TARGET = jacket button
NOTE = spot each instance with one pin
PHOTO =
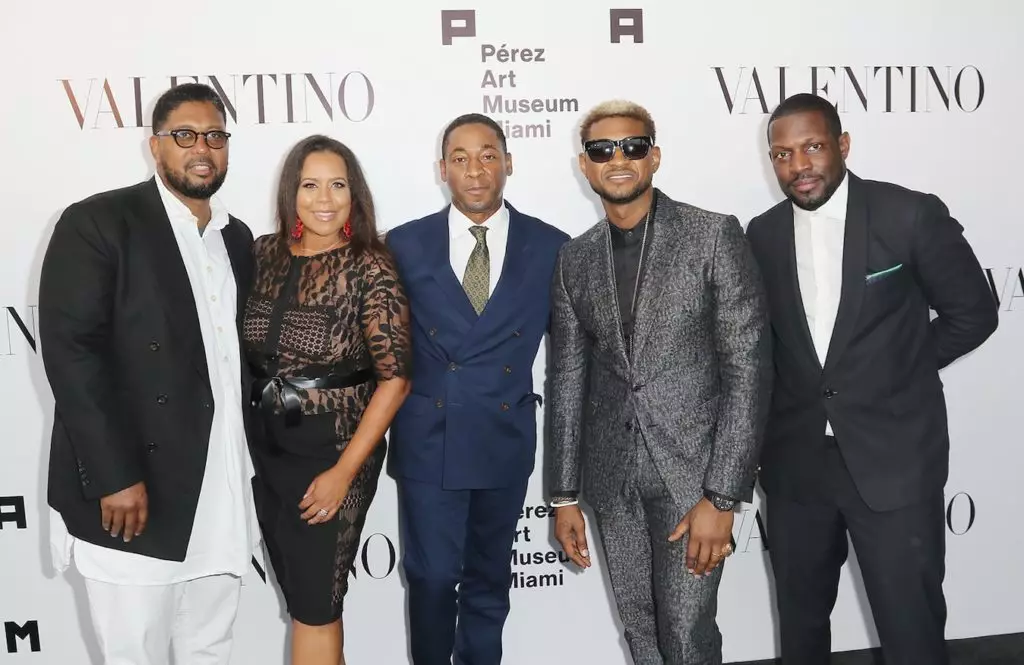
(433, 331)
(517, 333)
(154, 346)
(829, 393)
(508, 370)
(439, 403)
(161, 400)
(629, 426)
(452, 367)
(150, 447)
(504, 406)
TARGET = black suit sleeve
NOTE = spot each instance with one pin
(76, 292)
(953, 282)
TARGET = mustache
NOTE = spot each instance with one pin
(804, 178)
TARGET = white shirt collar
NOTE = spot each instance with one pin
(459, 224)
(179, 213)
(834, 208)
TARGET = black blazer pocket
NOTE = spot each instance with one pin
(878, 276)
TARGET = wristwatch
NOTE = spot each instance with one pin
(720, 502)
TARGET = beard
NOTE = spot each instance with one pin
(812, 204)
(620, 199)
(201, 191)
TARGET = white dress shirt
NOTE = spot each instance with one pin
(818, 237)
(461, 242)
(225, 535)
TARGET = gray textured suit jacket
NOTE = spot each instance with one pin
(698, 384)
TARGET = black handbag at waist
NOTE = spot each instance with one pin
(266, 389)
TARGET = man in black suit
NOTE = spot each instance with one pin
(857, 440)
(141, 296)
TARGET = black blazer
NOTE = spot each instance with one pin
(124, 356)
(880, 388)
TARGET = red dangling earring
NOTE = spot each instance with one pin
(347, 229)
(297, 230)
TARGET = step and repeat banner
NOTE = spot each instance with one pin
(930, 91)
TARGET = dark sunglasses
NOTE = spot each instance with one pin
(633, 147)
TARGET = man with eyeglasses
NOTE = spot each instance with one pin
(150, 477)
(660, 385)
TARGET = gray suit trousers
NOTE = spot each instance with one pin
(668, 614)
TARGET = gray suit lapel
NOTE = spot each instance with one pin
(606, 299)
(664, 247)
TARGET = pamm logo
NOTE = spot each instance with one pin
(258, 98)
(27, 631)
(12, 511)
(621, 23)
(508, 72)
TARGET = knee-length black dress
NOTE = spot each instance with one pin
(337, 315)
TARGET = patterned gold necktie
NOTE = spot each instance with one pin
(477, 280)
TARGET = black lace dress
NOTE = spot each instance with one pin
(335, 315)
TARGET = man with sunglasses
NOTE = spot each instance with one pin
(660, 385)
(150, 477)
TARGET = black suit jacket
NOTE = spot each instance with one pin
(880, 386)
(124, 356)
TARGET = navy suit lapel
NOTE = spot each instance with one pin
(504, 299)
(855, 249)
(515, 260)
(435, 244)
(175, 290)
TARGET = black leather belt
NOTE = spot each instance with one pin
(266, 389)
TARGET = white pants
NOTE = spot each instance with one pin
(143, 625)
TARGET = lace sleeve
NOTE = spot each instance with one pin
(385, 318)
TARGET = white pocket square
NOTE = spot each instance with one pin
(875, 276)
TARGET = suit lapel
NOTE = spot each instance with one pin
(513, 277)
(798, 330)
(515, 261)
(241, 266)
(855, 243)
(664, 245)
(436, 249)
(606, 296)
(175, 290)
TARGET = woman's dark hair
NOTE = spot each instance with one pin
(362, 219)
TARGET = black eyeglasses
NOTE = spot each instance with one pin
(186, 138)
(633, 147)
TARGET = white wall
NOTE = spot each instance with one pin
(714, 156)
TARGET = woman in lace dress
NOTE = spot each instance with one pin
(326, 335)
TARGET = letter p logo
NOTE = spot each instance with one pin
(457, 23)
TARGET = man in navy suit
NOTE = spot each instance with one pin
(477, 275)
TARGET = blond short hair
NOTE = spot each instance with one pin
(617, 108)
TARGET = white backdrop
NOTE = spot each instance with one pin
(929, 90)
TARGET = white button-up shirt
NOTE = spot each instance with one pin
(818, 236)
